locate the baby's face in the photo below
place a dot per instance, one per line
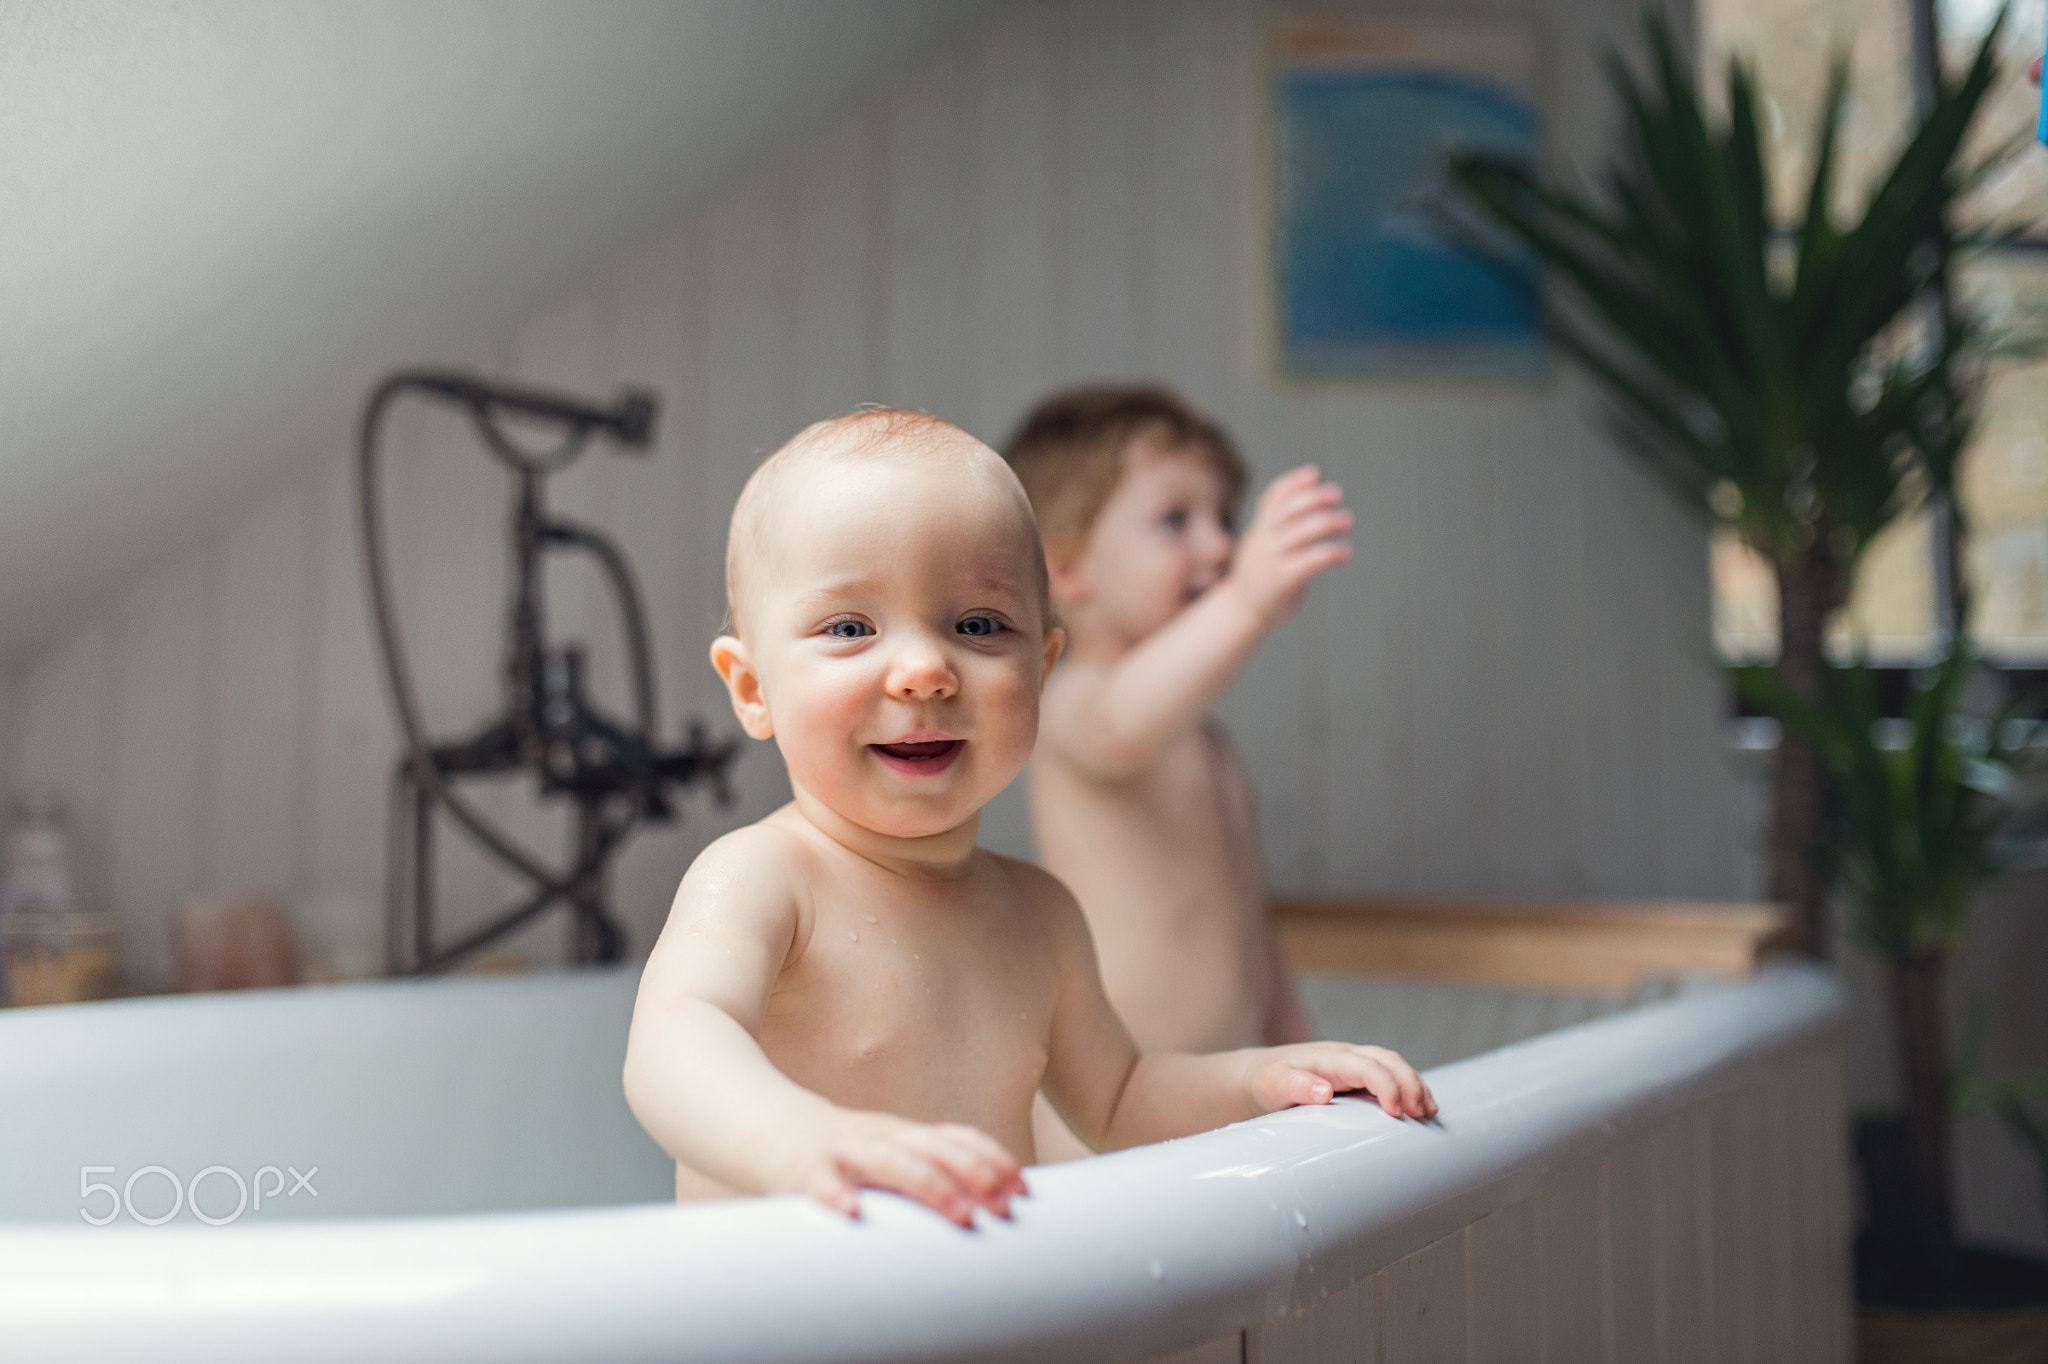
(1163, 538)
(894, 622)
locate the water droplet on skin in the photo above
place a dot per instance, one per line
(1299, 1220)
(871, 918)
(913, 956)
(852, 936)
(1158, 1271)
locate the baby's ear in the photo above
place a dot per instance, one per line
(1068, 583)
(1055, 644)
(743, 684)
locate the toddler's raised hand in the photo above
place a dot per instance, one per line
(1313, 1072)
(1296, 532)
(951, 1168)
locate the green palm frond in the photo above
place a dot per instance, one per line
(1725, 370)
(1918, 820)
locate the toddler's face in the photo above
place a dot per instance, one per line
(899, 640)
(1163, 538)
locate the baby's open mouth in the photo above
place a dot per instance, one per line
(932, 755)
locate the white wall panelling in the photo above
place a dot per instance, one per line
(1502, 695)
(10, 727)
(1622, 1259)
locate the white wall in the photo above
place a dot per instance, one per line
(1506, 693)
(10, 727)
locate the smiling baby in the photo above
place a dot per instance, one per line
(850, 993)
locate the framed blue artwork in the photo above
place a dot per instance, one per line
(1368, 284)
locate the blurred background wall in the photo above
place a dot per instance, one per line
(1508, 692)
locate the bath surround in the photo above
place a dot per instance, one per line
(1673, 1172)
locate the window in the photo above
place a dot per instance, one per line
(1899, 608)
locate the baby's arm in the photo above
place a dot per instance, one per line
(1114, 721)
(700, 1084)
(1112, 1096)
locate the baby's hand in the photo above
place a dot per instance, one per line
(951, 1168)
(1295, 533)
(1312, 1072)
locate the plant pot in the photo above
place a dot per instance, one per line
(2016, 1334)
(1995, 1313)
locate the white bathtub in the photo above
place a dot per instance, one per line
(457, 1178)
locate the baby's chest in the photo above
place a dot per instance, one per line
(888, 1002)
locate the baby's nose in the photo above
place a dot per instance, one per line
(921, 670)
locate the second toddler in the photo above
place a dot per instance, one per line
(1139, 802)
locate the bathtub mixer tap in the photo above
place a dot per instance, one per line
(614, 770)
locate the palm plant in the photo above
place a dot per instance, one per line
(2007, 1096)
(1925, 811)
(1760, 373)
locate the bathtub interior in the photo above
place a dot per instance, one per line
(1434, 1023)
(410, 1097)
(454, 1096)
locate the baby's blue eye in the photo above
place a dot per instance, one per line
(1176, 520)
(849, 629)
(977, 625)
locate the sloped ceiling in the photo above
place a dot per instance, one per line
(219, 221)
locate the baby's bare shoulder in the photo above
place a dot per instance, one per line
(747, 892)
(1039, 892)
(762, 850)
(755, 871)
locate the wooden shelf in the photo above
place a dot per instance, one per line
(1556, 945)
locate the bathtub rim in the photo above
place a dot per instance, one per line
(1076, 1273)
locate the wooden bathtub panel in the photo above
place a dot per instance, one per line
(1223, 1350)
(1686, 1329)
(1819, 1209)
(1718, 1234)
(1504, 1313)
(1422, 1319)
(1831, 1149)
(1631, 1245)
(1345, 1326)
(1570, 1268)
(1777, 1321)
(1648, 1255)
(1731, 1162)
(1583, 945)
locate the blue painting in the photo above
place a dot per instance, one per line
(1368, 282)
